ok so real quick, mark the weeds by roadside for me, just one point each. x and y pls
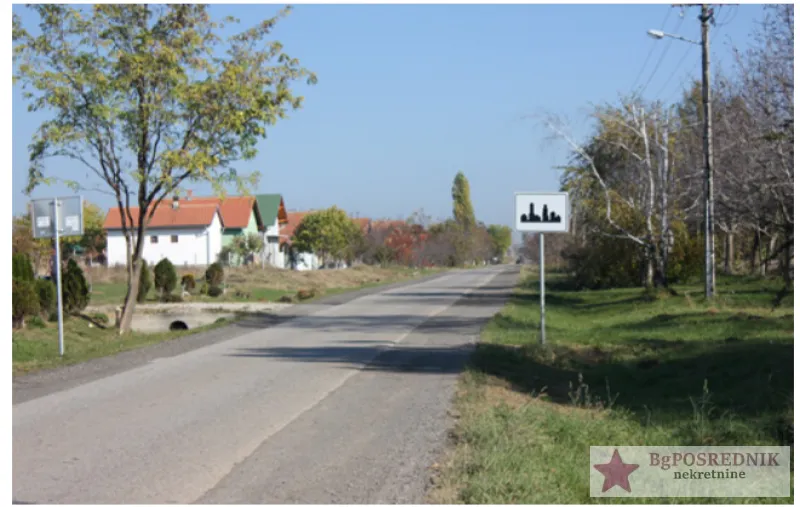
(620, 368)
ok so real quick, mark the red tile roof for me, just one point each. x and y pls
(235, 210)
(388, 224)
(363, 223)
(293, 219)
(186, 215)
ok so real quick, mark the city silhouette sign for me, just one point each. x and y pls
(542, 211)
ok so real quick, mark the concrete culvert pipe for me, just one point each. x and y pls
(178, 325)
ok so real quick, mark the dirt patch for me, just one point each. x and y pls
(320, 279)
(269, 277)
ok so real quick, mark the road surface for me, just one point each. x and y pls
(346, 404)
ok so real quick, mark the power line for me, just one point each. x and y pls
(663, 54)
(682, 85)
(677, 68)
(731, 16)
(652, 49)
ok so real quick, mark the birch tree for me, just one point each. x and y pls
(627, 166)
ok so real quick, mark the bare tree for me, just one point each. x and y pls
(627, 167)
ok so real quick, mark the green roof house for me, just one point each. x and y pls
(241, 217)
(273, 216)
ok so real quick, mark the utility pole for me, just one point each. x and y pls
(708, 155)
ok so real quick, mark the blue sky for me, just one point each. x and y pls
(410, 94)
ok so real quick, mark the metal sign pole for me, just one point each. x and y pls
(541, 282)
(56, 204)
(542, 212)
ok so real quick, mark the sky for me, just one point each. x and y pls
(408, 95)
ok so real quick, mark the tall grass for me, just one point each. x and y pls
(621, 367)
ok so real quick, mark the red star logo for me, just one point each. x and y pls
(616, 473)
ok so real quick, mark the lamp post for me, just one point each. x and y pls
(708, 154)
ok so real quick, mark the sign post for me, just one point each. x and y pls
(541, 284)
(542, 212)
(59, 296)
(54, 218)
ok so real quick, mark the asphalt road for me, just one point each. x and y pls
(347, 403)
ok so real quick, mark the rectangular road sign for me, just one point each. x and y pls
(70, 216)
(542, 211)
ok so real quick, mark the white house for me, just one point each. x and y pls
(303, 260)
(273, 217)
(186, 233)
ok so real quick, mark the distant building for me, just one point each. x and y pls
(188, 234)
(273, 217)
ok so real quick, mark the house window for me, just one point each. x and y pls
(174, 238)
(153, 239)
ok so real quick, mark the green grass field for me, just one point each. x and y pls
(114, 294)
(36, 348)
(621, 367)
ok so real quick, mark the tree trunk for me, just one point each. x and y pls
(729, 252)
(648, 269)
(134, 272)
(755, 257)
(661, 271)
(787, 259)
(129, 306)
(771, 250)
(658, 262)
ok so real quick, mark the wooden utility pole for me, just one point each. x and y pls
(708, 156)
(706, 16)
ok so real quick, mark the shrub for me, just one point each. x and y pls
(306, 294)
(24, 301)
(215, 275)
(21, 267)
(603, 263)
(145, 283)
(102, 318)
(74, 289)
(165, 278)
(48, 296)
(687, 257)
(188, 283)
(285, 299)
(215, 291)
(37, 322)
(204, 288)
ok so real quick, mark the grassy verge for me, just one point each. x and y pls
(36, 348)
(621, 367)
(257, 284)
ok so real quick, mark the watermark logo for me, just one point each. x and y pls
(709, 471)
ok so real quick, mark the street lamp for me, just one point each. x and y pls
(708, 156)
(658, 34)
